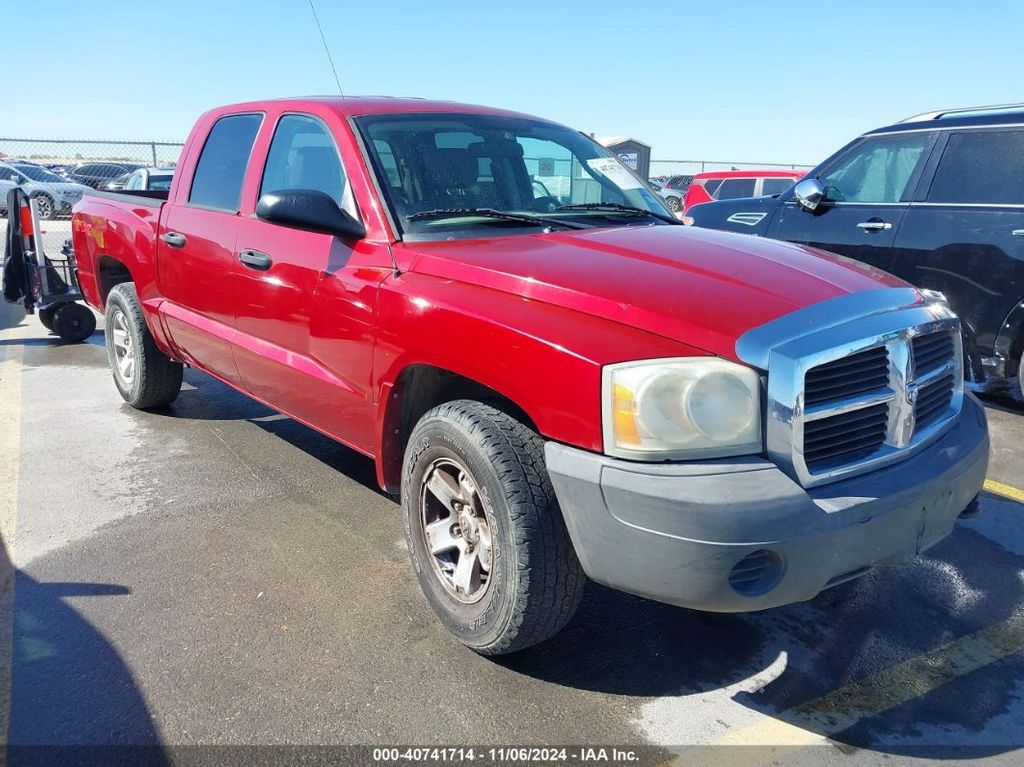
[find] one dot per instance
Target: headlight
(684, 408)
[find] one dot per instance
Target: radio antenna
(326, 49)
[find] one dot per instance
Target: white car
(53, 195)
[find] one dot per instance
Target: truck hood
(701, 287)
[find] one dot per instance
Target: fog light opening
(757, 573)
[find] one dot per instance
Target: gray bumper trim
(673, 532)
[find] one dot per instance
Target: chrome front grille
(875, 401)
(846, 437)
(851, 376)
(857, 382)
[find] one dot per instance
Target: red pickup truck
(558, 379)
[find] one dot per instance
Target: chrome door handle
(874, 226)
(173, 239)
(1018, 232)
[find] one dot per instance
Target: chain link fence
(55, 170)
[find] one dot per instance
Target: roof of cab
(367, 105)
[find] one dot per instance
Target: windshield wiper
(525, 218)
(617, 208)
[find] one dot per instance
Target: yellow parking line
(1007, 491)
(10, 458)
(814, 721)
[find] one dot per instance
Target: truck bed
(151, 197)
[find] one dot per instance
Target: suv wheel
(144, 375)
(484, 531)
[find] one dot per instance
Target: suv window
(731, 188)
(982, 167)
(217, 182)
(771, 186)
(877, 170)
(7, 174)
(303, 156)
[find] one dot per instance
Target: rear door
(867, 192)
(197, 248)
(964, 235)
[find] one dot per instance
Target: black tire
(46, 317)
(47, 207)
(535, 581)
(1020, 378)
(674, 204)
(156, 378)
(72, 322)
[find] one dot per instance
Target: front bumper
(735, 535)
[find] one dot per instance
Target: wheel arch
(110, 271)
(1009, 343)
(417, 388)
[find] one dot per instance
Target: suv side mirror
(808, 193)
(310, 210)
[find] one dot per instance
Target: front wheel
(144, 375)
(674, 204)
(484, 530)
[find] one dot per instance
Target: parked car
(150, 180)
(96, 174)
(556, 388)
(53, 195)
(729, 184)
(673, 190)
(937, 199)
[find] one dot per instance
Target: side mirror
(808, 193)
(310, 210)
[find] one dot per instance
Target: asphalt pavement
(216, 573)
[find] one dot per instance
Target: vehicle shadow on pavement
(205, 398)
(62, 684)
(855, 633)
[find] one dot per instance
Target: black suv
(937, 199)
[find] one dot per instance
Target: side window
(303, 156)
(982, 167)
(711, 185)
(878, 170)
(771, 186)
(6, 174)
(217, 182)
(731, 188)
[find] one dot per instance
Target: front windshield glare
(437, 163)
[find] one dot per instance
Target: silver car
(53, 195)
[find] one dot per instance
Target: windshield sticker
(614, 172)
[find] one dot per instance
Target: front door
(867, 189)
(964, 235)
(304, 307)
(197, 249)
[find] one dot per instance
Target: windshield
(436, 169)
(36, 173)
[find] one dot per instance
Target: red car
(558, 378)
(728, 184)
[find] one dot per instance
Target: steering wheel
(545, 203)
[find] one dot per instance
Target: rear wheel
(144, 375)
(673, 204)
(44, 204)
(72, 322)
(485, 533)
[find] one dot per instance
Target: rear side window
(217, 182)
(982, 167)
(711, 185)
(771, 186)
(736, 187)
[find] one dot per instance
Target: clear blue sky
(749, 81)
